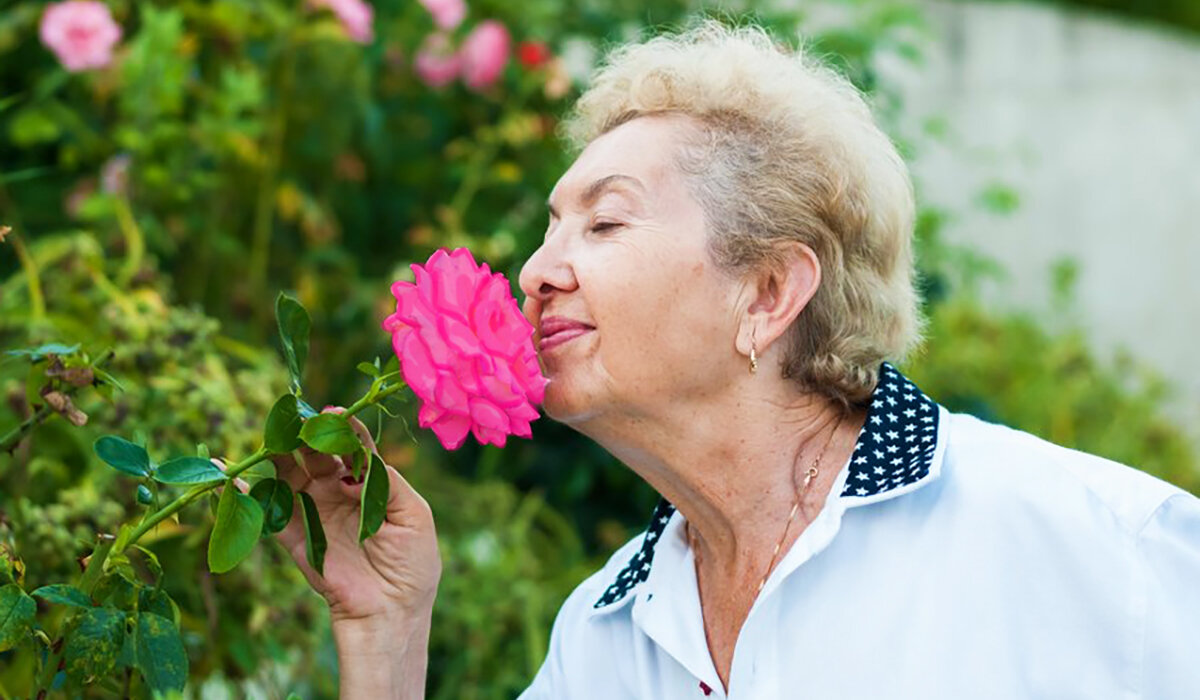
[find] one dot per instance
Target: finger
(237, 481)
(292, 535)
(364, 435)
(318, 464)
(291, 471)
(405, 506)
(292, 538)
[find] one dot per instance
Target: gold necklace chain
(810, 474)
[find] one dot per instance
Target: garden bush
(226, 151)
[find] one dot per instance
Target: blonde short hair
(786, 151)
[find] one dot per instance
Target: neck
(731, 467)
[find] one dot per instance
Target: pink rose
(81, 33)
(484, 54)
(436, 63)
(447, 14)
(466, 351)
(356, 17)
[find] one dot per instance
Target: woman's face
(631, 314)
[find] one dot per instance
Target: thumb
(404, 504)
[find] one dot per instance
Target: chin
(565, 403)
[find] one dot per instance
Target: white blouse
(953, 559)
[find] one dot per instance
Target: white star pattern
(906, 411)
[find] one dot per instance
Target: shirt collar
(898, 450)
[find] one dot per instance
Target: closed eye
(602, 226)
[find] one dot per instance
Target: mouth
(557, 330)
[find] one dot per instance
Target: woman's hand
(392, 574)
(380, 594)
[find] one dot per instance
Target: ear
(778, 293)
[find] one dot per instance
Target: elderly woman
(725, 277)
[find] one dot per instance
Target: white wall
(1095, 122)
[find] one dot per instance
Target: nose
(547, 272)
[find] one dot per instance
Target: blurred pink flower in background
(356, 17)
(447, 14)
(484, 54)
(81, 33)
(436, 63)
(466, 351)
(114, 174)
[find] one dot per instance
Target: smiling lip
(556, 330)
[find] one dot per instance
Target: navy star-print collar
(894, 454)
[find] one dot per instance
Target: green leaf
(374, 499)
(16, 614)
(202, 450)
(64, 594)
(152, 562)
(314, 534)
(114, 590)
(330, 433)
(156, 600)
(239, 523)
(294, 325)
(107, 378)
(123, 455)
(160, 654)
(283, 426)
(368, 369)
(92, 648)
(276, 499)
(188, 470)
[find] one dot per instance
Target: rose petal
(452, 430)
(417, 367)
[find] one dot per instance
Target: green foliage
(239, 523)
(282, 433)
(160, 654)
(187, 470)
(262, 151)
(64, 594)
(92, 648)
(275, 498)
(123, 455)
(314, 534)
(16, 614)
(294, 326)
(330, 433)
(373, 499)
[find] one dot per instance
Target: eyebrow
(594, 190)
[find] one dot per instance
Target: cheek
(665, 327)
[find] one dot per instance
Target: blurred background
(164, 186)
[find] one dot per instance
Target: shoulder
(1019, 471)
